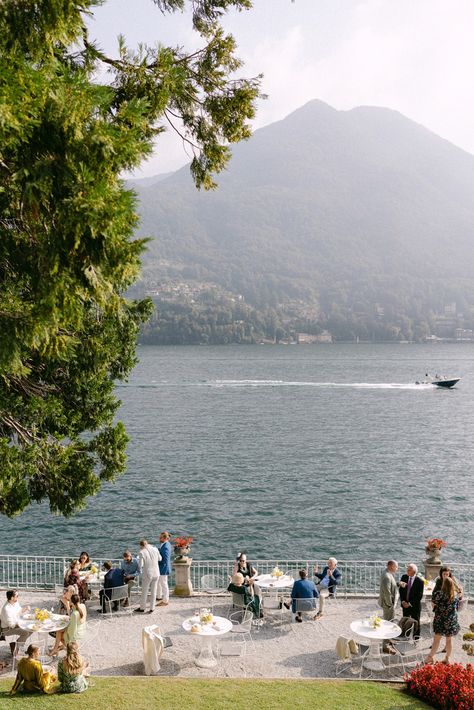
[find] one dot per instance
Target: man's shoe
(286, 605)
(318, 615)
(159, 599)
(299, 619)
(139, 611)
(126, 603)
(162, 603)
(150, 611)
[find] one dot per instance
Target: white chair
(273, 606)
(114, 595)
(241, 634)
(348, 655)
(213, 586)
(92, 641)
(305, 605)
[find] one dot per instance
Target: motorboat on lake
(439, 381)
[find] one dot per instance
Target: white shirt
(148, 558)
(9, 615)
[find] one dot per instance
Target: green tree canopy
(67, 252)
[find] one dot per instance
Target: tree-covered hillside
(362, 216)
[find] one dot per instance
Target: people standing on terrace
(329, 578)
(388, 597)
(164, 564)
(446, 572)
(148, 559)
(411, 593)
(9, 616)
(131, 571)
(445, 622)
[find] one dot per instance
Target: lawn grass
(132, 693)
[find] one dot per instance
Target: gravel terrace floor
(283, 649)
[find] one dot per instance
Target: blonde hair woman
(445, 622)
(72, 669)
(30, 673)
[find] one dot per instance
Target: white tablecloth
(266, 581)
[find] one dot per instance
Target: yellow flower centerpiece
(375, 621)
(205, 616)
(276, 572)
(41, 614)
(93, 569)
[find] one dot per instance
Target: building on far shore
(308, 338)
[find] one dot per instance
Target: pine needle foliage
(67, 251)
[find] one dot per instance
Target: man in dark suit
(303, 595)
(114, 577)
(411, 594)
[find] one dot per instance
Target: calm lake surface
(285, 451)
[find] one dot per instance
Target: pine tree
(67, 251)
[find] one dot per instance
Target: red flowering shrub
(449, 687)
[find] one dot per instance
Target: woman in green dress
(76, 628)
(71, 670)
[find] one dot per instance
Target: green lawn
(132, 693)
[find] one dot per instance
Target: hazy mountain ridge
(343, 208)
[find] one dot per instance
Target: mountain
(359, 214)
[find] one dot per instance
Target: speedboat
(439, 381)
(442, 382)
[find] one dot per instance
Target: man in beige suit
(148, 559)
(388, 597)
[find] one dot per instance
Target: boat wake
(290, 383)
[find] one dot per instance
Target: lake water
(285, 451)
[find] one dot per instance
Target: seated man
(114, 577)
(303, 595)
(329, 578)
(131, 571)
(252, 602)
(9, 616)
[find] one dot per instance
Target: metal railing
(359, 577)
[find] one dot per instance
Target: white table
(56, 622)
(386, 630)
(266, 581)
(206, 633)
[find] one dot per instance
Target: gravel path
(282, 648)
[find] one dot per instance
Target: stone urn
(433, 562)
(181, 554)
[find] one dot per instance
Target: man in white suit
(388, 597)
(148, 559)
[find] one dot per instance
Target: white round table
(266, 581)
(386, 630)
(56, 622)
(206, 633)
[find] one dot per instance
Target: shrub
(449, 687)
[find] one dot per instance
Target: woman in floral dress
(71, 670)
(445, 621)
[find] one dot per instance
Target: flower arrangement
(276, 572)
(41, 614)
(182, 541)
(205, 616)
(435, 543)
(375, 621)
(94, 569)
(443, 686)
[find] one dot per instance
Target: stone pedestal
(432, 569)
(182, 575)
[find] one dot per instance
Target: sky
(415, 56)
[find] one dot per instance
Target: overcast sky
(416, 56)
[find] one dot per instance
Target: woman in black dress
(445, 621)
(246, 569)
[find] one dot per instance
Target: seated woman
(30, 673)
(75, 630)
(65, 600)
(71, 670)
(252, 602)
(85, 563)
(246, 569)
(73, 578)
